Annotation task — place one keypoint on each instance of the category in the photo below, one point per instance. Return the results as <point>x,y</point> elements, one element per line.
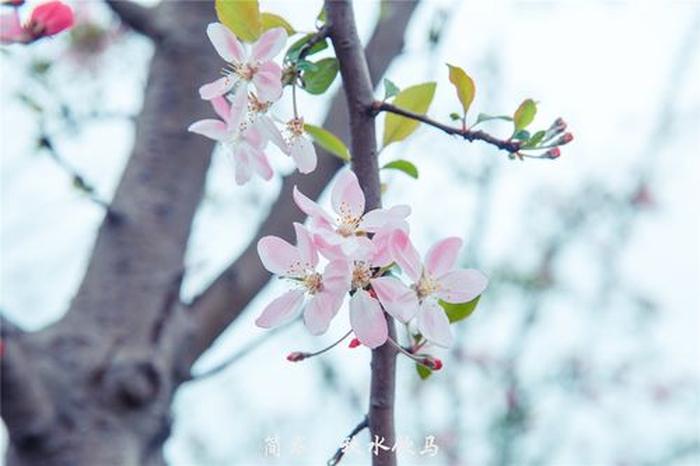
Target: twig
<point>137,17</point>
<point>318,36</point>
<point>508,145</point>
<point>340,452</point>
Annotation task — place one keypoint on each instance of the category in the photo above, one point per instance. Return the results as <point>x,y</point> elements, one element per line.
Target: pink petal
<point>225,43</point>
<point>393,218</point>
<point>280,257</point>
<point>239,107</point>
<point>329,249</point>
<point>254,138</point>
<point>405,254</point>
<point>51,18</point>
<point>398,300</point>
<point>433,324</point>
<point>347,197</point>
<point>281,310</point>
<point>268,81</point>
<point>336,277</point>
<point>304,154</point>
<point>269,130</point>
<point>309,207</point>
<point>241,165</point>
<point>305,246</point>
<point>213,129</point>
<point>11,29</point>
<point>321,310</point>
<point>367,320</point>
<point>269,45</point>
<point>222,107</point>
<point>441,257</point>
<point>260,163</point>
<point>382,254</point>
<point>462,285</point>
<point>217,88</point>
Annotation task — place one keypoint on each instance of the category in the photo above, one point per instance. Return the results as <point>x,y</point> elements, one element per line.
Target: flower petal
<point>268,81</point>
<point>310,208</point>
<point>441,257</point>
<point>11,28</point>
<point>305,246</point>
<point>213,129</point>
<point>222,107</point>
<point>241,165</point>
<point>269,130</point>
<point>225,43</point>
<point>382,254</point>
<point>347,197</point>
<point>405,254</point>
<point>321,310</point>
<point>461,285</point>
<point>259,162</point>
<point>398,300</point>
<point>393,218</point>
<point>304,154</point>
<point>367,320</point>
<point>433,324</point>
<point>281,310</point>
<point>217,88</point>
<point>336,277</point>
<point>269,45</point>
<point>239,107</point>
<point>280,257</point>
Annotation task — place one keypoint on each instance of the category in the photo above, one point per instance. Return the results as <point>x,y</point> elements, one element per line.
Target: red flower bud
<point>354,343</point>
<point>553,153</point>
<point>50,18</point>
<point>433,363</point>
<point>296,356</point>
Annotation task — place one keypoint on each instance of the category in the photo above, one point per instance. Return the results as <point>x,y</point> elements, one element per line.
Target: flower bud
<point>565,139</point>
<point>354,343</point>
<point>433,363</point>
<point>552,153</point>
<point>296,356</point>
<point>50,18</point>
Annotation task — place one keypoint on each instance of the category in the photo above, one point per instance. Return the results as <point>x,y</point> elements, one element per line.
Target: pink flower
<point>433,279</point>
<point>244,133</point>
<point>320,295</point>
<point>299,147</point>
<point>343,231</point>
<point>245,67</point>
<point>50,18</point>
<point>46,19</point>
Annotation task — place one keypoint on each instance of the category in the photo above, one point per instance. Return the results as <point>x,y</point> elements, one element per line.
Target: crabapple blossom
<point>319,295</point>
<point>434,278</point>
<point>299,147</point>
<point>241,132</point>
<point>245,67</point>
<point>341,233</point>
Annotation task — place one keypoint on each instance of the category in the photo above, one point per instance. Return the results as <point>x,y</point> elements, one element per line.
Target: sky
<point>622,74</point>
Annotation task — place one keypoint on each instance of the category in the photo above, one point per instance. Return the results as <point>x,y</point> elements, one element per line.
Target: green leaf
<point>390,89</point>
<point>522,135</point>
<point>403,165</point>
<point>484,117</point>
<point>317,81</point>
<point>455,116</point>
<point>525,114</point>
<point>535,139</point>
<point>415,99</point>
<point>240,16</point>
<point>328,141</point>
<point>464,85</point>
<point>457,312</point>
<point>423,372</point>
<point>271,20</point>
<point>295,49</point>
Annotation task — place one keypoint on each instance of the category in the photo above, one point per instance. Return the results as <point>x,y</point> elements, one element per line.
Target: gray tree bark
<point>96,387</point>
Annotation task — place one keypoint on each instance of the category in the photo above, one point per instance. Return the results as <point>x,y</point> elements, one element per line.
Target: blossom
<point>340,233</point>
<point>47,19</point>
<point>299,147</point>
<point>244,133</point>
<point>434,278</point>
<point>246,67</point>
<point>319,295</point>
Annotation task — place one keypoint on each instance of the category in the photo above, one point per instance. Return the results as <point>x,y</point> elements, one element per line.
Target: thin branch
<point>508,145</point>
<point>340,452</point>
<point>318,36</point>
<point>137,17</point>
<point>358,88</point>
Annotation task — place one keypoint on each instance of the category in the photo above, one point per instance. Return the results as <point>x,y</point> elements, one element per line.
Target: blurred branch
<point>335,459</point>
<point>508,145</point>
<point>137,17</point>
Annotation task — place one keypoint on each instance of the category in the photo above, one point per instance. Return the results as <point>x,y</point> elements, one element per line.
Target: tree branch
<point>221,303</point>
<point>359,94</point>
<point>340,452</point>
<point>137,17</point>
<point>508,145</point>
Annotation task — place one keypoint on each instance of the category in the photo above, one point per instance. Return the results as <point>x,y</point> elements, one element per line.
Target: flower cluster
<point>360,251</point>
<point>243,97</point>
<point>47,19</point>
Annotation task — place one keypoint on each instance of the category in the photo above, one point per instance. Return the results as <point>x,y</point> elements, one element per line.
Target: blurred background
<point>585,349</point>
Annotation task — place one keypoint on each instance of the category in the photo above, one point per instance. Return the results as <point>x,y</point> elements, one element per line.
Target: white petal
<point>433,324</point>
<point>281,310</point>
<point>304,154</point>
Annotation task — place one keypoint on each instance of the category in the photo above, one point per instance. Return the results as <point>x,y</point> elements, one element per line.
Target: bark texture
<point>96,387</point>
